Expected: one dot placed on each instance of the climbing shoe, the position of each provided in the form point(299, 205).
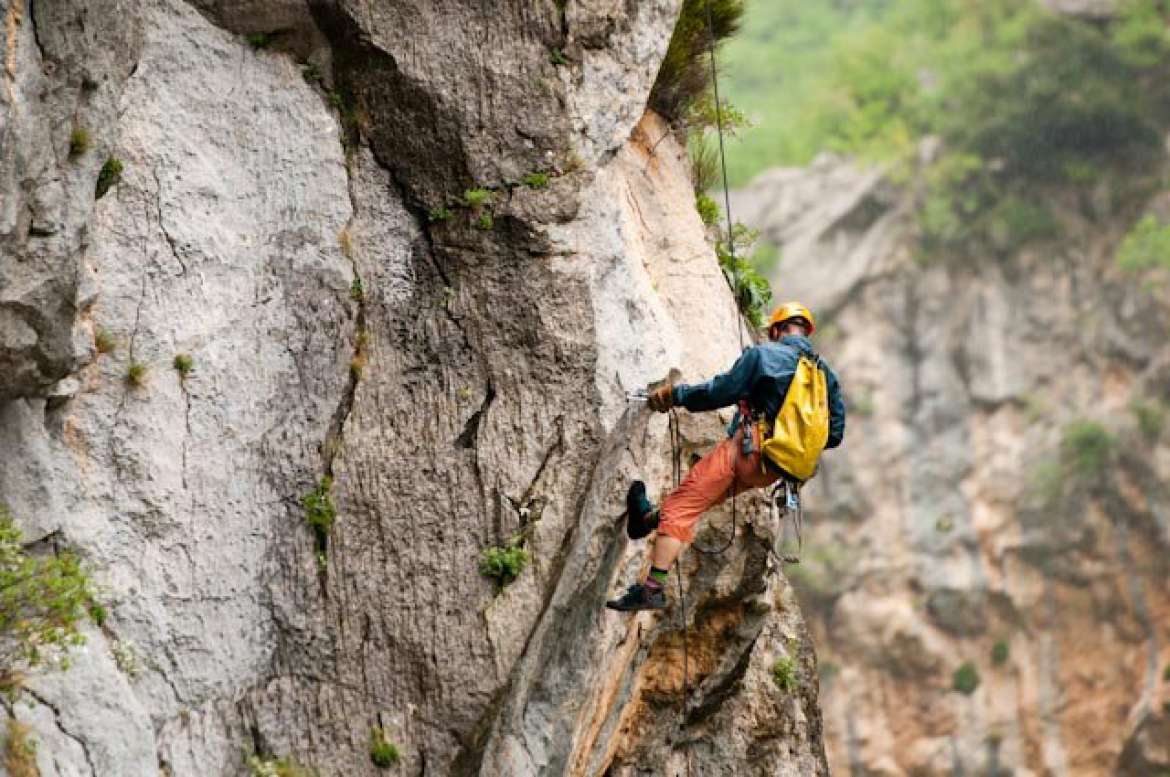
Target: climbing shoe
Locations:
point(641, 514)
point(639, 597)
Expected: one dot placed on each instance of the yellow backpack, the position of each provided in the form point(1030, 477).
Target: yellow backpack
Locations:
point(801, 428)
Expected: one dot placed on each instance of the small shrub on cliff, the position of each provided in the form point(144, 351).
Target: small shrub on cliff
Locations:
point(784, 674)
point(753, 293)
point(320, 511)
point(259, 40)
point(43, 599)
point(474, 198)
point(78, 142)
point(485, 221)
point(110, 174)
point(440, 213)
point(504, 564)
point(966, 679)
point(535, 180)
point(383, 753)
point(20, 751)
point(708, 209)
point(999, 653)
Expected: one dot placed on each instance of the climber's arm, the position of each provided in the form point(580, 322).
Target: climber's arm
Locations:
point(836, 410)
point(722, 390)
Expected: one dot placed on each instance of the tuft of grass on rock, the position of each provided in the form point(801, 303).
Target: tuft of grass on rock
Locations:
point(784, 674)
point(136, 374)
point(383, 753)
point(557, 57)
point(110, 174)
point(183, 364)
point(440, 213)
point(485, 221)
point(999, 653)
point(535, 180)
point(103, 341)
point(965, 679)
point(78, 142)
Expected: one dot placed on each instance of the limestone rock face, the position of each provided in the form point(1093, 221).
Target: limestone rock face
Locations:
point(971, 520)
point(296, 214)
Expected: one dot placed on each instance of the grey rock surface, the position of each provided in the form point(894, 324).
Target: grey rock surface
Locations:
point(291, 215)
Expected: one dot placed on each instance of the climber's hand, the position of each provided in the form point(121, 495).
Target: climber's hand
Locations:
point(660, 396)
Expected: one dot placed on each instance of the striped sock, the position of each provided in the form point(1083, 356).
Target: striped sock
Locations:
point(657, 577)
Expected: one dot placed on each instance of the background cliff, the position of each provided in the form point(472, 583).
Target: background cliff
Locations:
point(986, 557)
point(358, 300)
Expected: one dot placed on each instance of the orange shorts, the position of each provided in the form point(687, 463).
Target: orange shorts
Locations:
point(709, 483)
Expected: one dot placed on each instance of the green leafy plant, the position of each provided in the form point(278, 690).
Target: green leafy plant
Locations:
point(320, 511)
point(966, 679)
point(383, 753)
point(356, 292)
point(440, 213)
point(1146, 246)
point(78, 141)
point(136, 374)
point(708, 210)
point(183, 364)
point(999, 653)
point(311, 72)
point(535, 180)
point(43, 599)
point(504, 564)
point(103, 341)
point(557, 57)
point(111, 173)
point(485, 221)
point(753, 293)
point(784, 674)
point(20, 751)
point(474, 198)
point(259, 40)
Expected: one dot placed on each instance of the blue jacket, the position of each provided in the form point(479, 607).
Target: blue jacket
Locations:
point(761, 375)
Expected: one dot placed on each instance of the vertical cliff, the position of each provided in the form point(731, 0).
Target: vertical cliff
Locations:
point(987, 555)
point(415, 253)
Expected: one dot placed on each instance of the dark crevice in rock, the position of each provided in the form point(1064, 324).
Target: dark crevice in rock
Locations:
point(470, 434)
point(32, 20)
point(162, 226)
point(726, 685)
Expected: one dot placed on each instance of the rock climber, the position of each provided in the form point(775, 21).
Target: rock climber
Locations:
point(758, 382)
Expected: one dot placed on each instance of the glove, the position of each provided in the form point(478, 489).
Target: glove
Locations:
point(660, 397)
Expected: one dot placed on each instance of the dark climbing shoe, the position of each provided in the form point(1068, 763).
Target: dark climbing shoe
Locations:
point(639, 597)
point(641, 514)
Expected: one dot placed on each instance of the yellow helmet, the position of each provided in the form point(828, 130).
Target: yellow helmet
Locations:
point(793, 310)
